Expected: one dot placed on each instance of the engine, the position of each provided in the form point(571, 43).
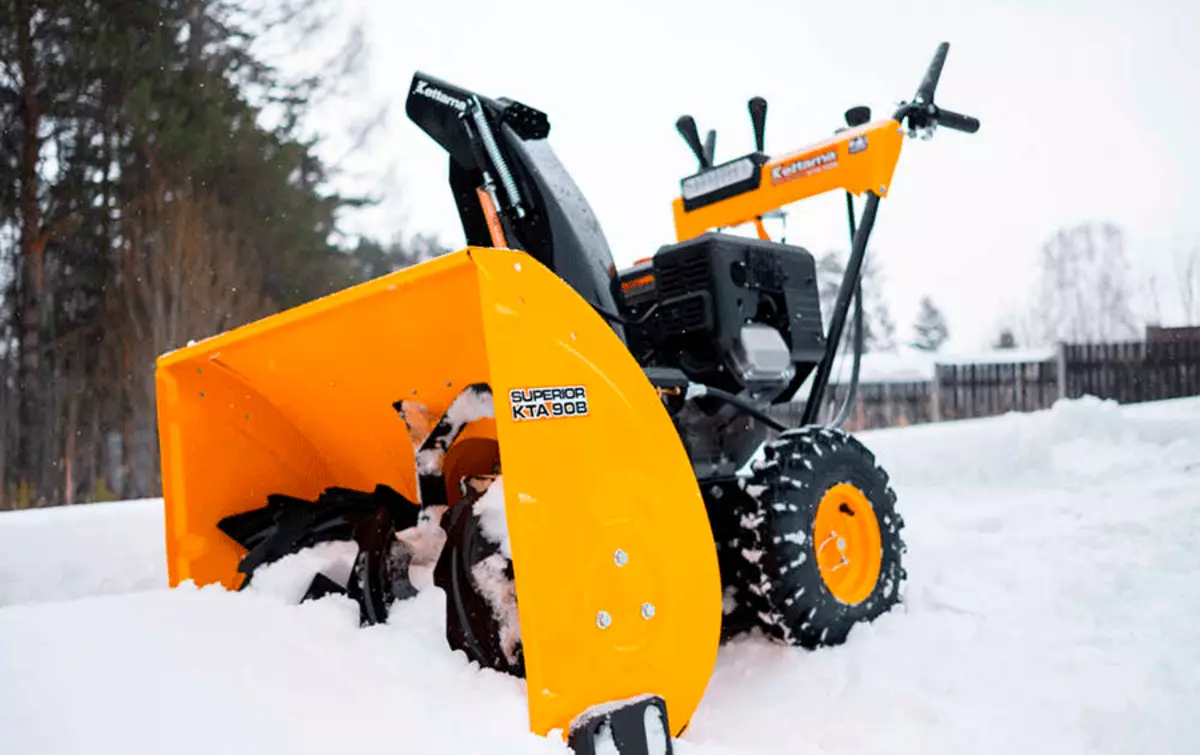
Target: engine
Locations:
point(735, 313)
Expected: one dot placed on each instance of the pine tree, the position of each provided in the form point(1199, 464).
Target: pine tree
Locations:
point(879, 329)
point(930, 330)
point(156, 185)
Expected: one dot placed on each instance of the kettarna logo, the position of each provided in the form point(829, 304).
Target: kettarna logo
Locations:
point(437, 95)
point(797, 168)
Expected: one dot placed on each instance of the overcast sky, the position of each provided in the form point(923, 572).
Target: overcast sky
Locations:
point(1088, 108)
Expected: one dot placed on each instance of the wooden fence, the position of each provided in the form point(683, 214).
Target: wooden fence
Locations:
point(876, 405)
point(970, 390)
point(1135, 371)
point(1163, 366)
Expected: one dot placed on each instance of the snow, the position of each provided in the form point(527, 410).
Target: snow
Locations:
point(80, 551)
point(999, 356)
point(1051, 607)
point(909, 365)
point(900, 366)
point(470, 406)
point(492, 517)
point(473, 403)
point(289, 577)
point(425, 540)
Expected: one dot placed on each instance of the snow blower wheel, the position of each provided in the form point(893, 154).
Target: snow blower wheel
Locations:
point(823, 548)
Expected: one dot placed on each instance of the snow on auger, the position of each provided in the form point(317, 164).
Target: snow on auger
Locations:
point(583, 456)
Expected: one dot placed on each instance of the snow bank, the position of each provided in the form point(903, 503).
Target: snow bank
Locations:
point(908, 365)
point(1051, 607)
point(70, 552)
point(204, 671)
point(1071, 446)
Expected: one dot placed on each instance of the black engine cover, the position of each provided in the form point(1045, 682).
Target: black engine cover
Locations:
point(708, 287)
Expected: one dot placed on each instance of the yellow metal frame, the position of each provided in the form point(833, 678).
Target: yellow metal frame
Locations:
point(304, 399)
point(814, 170)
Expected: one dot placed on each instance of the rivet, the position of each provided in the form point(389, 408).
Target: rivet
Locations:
point(517, 267)
point(647, 611)
point(603, 620)
point(620, 558)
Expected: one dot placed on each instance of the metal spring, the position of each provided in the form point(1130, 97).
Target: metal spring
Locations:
point(489, 144)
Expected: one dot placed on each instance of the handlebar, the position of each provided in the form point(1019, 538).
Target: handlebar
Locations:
point(921, 116)
point(957, 121)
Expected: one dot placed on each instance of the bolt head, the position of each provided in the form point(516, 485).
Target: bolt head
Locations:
point(620, 558)
point(647, 611)
point(603, 620)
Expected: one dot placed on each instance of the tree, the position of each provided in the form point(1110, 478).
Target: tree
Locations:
point(930, 330)
point(879, 329)
point(157, 183)
point(1187, 281)
point(370, 259)
point(1086, 289)
point(879, 332)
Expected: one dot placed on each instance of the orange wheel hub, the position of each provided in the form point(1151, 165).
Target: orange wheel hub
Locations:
point(847, 543)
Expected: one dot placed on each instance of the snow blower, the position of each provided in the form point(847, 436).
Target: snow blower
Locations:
point(585, 458)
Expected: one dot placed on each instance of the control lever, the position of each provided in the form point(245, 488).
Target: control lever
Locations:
point(710, 147)
point(758, 118)
point(686, 125)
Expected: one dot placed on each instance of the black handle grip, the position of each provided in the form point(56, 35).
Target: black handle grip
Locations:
point(957, 121)
point(686, 126)
point(758, 119)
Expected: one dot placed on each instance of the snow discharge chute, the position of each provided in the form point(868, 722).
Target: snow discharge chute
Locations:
point(353, 397)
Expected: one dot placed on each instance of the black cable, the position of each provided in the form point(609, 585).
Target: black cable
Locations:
point(618, 319)
point(696, 390)
point(840, 418)
point(852, 394)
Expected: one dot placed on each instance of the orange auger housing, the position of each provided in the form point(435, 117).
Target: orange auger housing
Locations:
point(614, 564)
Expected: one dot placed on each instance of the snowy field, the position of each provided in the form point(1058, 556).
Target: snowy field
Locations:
point(1053, 606)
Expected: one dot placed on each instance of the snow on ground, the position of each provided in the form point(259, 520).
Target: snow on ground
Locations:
point(1052, 606)
point(79, 551)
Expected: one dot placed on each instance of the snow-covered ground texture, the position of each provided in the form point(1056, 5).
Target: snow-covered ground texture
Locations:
point(1053, 606)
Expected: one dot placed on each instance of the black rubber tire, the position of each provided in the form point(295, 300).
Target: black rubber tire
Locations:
point(784, 587)
point(471, 625)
